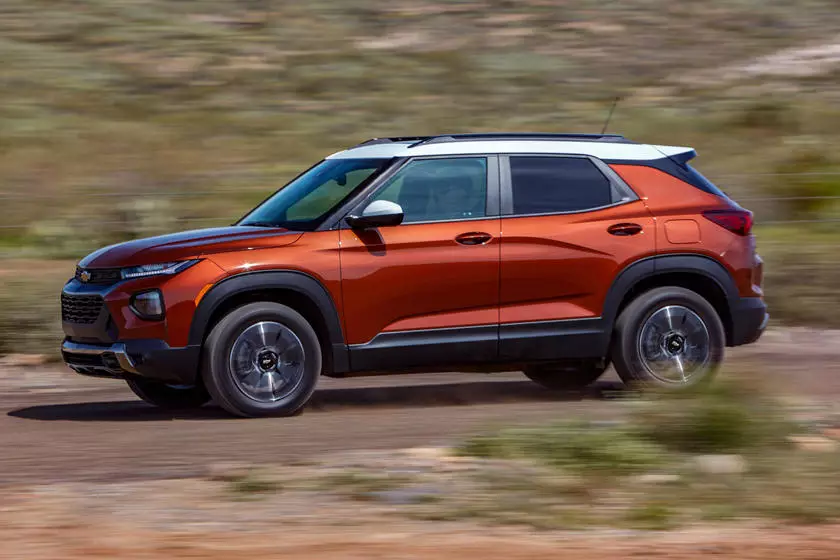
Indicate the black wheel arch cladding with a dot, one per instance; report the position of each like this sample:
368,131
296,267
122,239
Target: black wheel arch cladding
652,267
299,282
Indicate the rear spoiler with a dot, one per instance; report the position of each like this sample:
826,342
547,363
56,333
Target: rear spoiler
678,154
680,157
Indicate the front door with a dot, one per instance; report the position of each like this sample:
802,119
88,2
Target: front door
426,292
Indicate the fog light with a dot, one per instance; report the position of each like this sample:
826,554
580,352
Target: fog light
148,305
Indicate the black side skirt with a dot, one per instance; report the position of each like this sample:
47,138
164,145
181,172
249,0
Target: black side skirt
553,340
515,343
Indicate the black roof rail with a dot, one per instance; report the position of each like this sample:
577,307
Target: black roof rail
374,141
520,136
463,137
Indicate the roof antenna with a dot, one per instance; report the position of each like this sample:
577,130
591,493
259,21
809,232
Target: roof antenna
609,117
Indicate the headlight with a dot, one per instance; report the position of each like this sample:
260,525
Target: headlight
160,269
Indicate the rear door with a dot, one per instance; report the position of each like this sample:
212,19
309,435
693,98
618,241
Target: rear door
569,225
426,291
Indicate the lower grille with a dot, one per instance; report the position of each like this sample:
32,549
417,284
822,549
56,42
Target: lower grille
80,309
86,360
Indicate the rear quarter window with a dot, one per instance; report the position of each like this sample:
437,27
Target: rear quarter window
698,180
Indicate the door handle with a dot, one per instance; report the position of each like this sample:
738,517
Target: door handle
623,230
474,238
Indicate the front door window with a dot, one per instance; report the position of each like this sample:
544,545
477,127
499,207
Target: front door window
439,190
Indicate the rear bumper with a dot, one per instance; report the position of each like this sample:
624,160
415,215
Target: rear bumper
151,359
749,319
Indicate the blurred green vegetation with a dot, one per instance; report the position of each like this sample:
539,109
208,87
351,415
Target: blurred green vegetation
722,453
30,308
727,417
121,119
801,270
731,416
143,117
574,447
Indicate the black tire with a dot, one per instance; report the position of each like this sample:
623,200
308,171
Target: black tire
169,397
627,345
564,377
219,377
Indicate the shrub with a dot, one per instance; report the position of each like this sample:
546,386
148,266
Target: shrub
30,317
801,181
727,417
767,115
580,447
801,271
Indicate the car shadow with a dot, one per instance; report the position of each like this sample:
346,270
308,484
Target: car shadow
326,400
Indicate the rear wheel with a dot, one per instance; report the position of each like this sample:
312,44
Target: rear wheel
670,337
564,377
262,359
170,397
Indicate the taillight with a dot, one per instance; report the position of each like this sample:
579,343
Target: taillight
737,221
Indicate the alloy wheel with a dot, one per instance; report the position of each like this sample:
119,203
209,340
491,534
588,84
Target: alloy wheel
674,345
267,361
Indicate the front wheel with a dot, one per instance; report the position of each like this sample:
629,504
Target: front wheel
262,359
671,338
169,397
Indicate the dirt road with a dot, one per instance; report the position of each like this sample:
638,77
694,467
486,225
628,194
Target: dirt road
56,426
107,434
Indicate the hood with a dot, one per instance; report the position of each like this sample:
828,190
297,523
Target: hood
188,244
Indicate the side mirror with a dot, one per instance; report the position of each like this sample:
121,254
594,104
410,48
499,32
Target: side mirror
378,213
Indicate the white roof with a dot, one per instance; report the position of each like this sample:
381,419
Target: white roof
600,150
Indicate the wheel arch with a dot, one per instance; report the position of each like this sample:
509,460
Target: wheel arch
699,273
300,291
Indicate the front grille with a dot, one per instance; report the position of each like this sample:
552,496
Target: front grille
81,309
99,276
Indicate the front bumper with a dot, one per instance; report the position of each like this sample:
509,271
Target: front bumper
151,359
105,338
749,319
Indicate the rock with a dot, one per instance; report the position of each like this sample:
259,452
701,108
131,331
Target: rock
720,464
436,453
657,478
440,458
455,463
23,360
817,444
228,472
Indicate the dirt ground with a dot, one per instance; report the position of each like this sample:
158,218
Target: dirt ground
195,519
88,471
415,542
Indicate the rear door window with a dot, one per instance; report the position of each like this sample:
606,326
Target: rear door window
550,185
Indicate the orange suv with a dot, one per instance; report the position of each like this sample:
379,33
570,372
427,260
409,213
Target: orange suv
557,254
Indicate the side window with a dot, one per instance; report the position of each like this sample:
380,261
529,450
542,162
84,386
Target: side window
439,189
543,185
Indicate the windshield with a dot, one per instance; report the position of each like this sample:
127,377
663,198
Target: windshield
305,202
